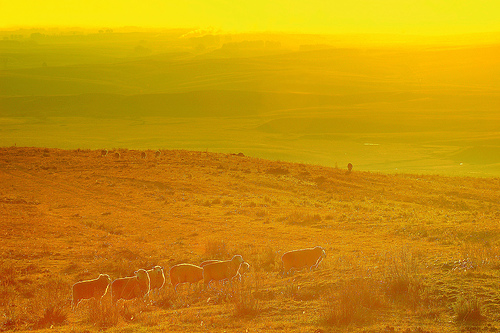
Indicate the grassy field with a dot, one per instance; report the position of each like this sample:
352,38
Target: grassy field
383,104
405,252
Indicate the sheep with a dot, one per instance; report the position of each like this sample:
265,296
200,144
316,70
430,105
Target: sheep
156,278
299,259
143,154
183,273
157,153
222,270
104,152
117,155
130,287
87,289
349,168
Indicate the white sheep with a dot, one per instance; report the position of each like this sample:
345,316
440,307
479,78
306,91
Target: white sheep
156,278
130,287
300,259
222,270
185,273
87,289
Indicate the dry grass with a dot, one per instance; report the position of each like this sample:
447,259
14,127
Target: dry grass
468,309
400,248
354,303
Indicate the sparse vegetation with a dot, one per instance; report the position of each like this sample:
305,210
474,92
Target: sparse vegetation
355,303
394,253
468,309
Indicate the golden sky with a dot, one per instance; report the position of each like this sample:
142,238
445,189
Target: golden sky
311,16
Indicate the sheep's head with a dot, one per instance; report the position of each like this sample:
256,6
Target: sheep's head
237,260
141,275
321,251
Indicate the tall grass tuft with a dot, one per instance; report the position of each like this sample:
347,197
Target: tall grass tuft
102,315
216,249
51,303
401,280
468,309
266,260
353,304
245,304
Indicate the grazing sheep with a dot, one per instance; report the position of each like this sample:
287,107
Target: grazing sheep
222,270
183,273
87,289
156,278
104,152
117,155
157,153
300,259
143,154
130,287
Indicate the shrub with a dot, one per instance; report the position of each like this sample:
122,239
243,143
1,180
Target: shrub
401,280
216,249
468,309
300,218
266,260
102,315
245,304
353,304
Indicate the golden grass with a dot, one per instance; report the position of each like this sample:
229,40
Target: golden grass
402,250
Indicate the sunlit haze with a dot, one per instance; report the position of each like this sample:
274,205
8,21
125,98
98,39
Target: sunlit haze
314,16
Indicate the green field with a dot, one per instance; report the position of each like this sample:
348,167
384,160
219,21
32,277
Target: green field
330,100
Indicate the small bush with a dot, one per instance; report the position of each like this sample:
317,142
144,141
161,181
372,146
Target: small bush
53,315
266,260
216,249
227,202
401,280
468,309
353,304
245,304
102,315
300,218
278,171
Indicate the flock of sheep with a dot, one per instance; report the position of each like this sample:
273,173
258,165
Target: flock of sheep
145,281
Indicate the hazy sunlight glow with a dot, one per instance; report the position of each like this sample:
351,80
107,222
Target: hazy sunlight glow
314,16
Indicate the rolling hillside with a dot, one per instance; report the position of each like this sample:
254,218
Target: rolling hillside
408,251
387,107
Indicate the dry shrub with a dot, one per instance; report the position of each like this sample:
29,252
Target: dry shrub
300,218
353,304
402,281
8,273
102,315
166,298
216,249
468,309
266,260
50,304
278,171
245,304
